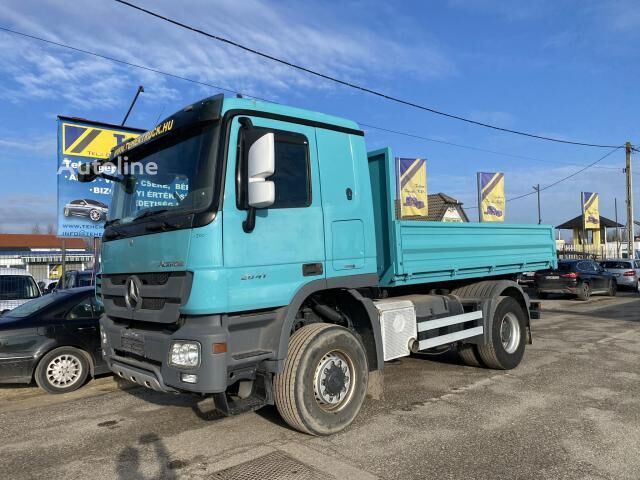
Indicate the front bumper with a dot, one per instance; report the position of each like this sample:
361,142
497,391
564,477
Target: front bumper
147,363
16,369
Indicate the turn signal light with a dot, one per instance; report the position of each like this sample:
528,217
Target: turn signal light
219,348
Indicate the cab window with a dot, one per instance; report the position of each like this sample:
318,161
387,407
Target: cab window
82,310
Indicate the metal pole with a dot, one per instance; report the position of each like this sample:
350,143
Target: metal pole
615,200
135,99
630,220
584,230
64,265
537,189
479,197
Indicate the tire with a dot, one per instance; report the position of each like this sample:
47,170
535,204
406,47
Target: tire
313,350
75,370
95,215
584,291
500,353
468,353
66,212
613,288
542,295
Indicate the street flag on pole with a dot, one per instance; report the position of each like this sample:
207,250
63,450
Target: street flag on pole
491,197
412,187
591,210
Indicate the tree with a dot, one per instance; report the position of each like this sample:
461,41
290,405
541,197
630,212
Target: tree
36,229
51,229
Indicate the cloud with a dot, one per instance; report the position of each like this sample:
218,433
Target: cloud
346,50
506,9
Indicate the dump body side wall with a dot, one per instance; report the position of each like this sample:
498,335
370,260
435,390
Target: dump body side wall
413,252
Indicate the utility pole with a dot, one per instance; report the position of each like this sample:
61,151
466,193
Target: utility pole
630,220
615,200
537,189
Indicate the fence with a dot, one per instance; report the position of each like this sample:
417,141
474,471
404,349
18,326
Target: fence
48,265
595,252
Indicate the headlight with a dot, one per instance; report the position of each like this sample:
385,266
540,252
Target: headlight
184,354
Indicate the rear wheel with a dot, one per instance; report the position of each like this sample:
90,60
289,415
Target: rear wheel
62,370
95,215
324,380
468,353
584,291
506,336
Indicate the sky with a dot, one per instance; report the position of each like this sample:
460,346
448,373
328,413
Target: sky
562,68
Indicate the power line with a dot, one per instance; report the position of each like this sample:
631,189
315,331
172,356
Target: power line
353,85
478,149
217,87
558,181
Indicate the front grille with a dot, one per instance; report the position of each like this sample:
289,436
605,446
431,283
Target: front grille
161,295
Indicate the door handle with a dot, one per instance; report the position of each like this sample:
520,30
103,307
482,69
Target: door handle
311,269
86,329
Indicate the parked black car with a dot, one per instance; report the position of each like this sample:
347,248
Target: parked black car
581,278
54,339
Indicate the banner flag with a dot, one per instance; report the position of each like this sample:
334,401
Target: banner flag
591,210
83,207
412,187
491,197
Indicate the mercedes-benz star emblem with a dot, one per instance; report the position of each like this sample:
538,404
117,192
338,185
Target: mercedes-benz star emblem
132,296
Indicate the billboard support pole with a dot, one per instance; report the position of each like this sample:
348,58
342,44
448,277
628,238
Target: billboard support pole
64,263
479,177
630,219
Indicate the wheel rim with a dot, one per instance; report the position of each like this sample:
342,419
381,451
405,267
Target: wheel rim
585,289
333,381
95,216
64,371
510,332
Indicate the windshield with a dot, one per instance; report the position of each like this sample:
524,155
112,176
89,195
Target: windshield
172,175
35,305
617,265
18,287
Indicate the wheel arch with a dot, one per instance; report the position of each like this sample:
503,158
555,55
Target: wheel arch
360,310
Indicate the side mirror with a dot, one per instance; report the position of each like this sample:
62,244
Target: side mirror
88,172
261,165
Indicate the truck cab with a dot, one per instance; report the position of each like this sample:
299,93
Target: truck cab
251,253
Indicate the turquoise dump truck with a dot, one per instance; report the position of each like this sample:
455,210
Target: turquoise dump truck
261,262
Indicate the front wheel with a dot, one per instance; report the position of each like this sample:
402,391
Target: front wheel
62,370
505,343
324,380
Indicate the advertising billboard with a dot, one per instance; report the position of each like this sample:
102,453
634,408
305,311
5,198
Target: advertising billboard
83,207
412,187
591,210
491,197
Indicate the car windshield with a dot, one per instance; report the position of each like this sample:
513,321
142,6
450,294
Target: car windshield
85,279
35,305
18,287
617,265
173,175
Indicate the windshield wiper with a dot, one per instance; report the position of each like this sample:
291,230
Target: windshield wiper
148,213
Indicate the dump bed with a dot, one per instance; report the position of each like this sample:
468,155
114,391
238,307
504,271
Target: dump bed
414,251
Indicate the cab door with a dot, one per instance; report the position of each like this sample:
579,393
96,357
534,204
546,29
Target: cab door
265,267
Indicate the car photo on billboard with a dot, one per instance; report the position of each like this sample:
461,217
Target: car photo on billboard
86,207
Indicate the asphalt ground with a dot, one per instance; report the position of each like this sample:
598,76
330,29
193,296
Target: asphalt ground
571,410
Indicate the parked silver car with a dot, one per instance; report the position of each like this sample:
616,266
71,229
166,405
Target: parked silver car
86,207
626,271
17,286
